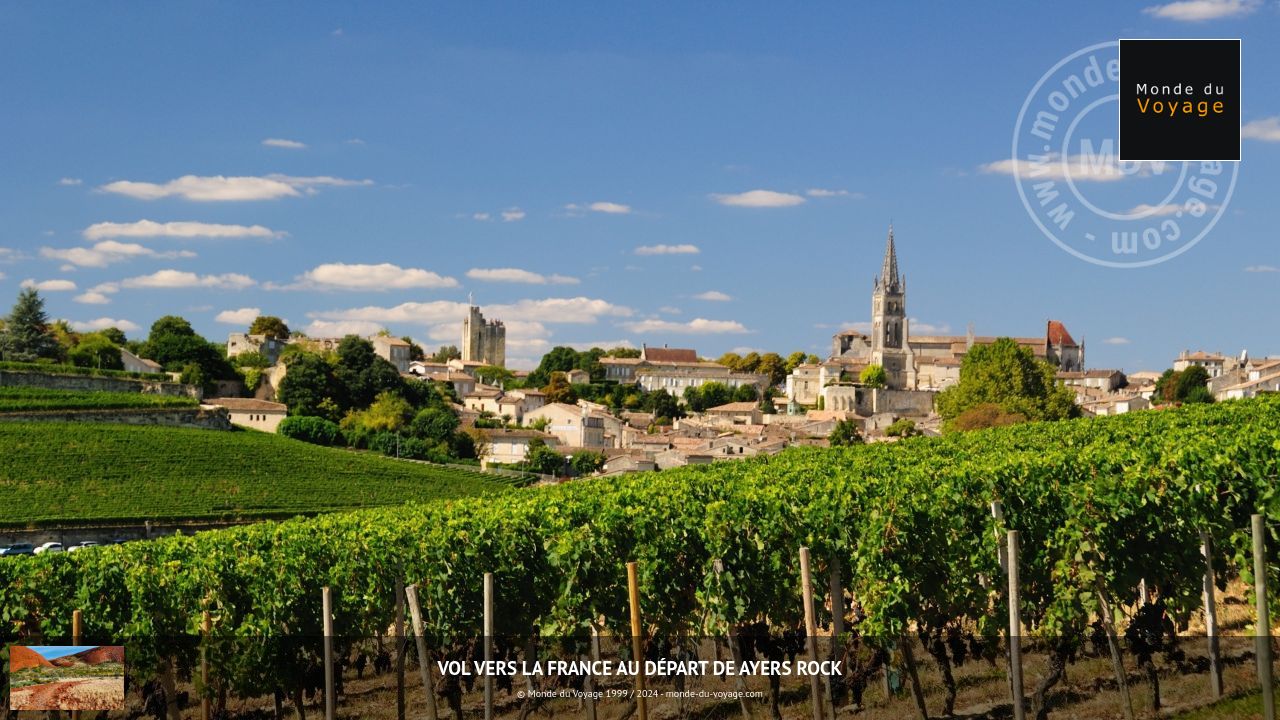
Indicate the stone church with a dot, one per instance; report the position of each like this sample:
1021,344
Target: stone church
913,362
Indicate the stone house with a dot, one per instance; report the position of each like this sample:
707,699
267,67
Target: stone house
393,350
510,447
247,412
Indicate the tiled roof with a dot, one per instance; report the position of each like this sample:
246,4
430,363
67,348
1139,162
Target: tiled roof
663,354
734,407
1058,334
247,404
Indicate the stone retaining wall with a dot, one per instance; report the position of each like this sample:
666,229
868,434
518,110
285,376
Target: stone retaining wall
204,417
90,383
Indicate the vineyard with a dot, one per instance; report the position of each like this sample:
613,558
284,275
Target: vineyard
1102,506
63,473
76,370
26,399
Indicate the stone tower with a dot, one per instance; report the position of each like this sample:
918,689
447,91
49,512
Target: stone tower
889,347
483,340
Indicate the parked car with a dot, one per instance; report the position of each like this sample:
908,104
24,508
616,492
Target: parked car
18,549
51,547
82,545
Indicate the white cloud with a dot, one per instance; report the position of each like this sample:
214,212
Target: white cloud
180,279
49,285
575,310
341,328
309,182
1080,168
1262,269
697,326
1116,341
670,310
150,228
825,193
516,275
243,316
1267,129
1197,10
103,323
219,188
603,344
481,216
354,141
70,181
283,143
9,255
713,296
758,199
384,276
107,252
610,207
1162,210
92,297
667,250
2,276
512,214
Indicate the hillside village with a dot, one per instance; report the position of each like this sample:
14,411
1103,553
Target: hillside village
606,411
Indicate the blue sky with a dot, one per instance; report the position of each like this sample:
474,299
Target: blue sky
50,652
582,171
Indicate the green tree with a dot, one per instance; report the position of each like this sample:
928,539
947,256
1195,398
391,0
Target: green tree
709,395
388,413
95,350
251,359
558,359
493,375
445,354
364,374
542,459
558,390
845,433
27,335
416,353
774,366
745,393
175,345
311,388
873,376
269,325
1010,377
902,427
586,462
434,423
115,335
663,405
1192,386
795,360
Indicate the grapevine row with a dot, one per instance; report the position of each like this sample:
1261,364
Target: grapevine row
1101,505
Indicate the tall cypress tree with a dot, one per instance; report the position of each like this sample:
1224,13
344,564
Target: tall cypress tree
26,336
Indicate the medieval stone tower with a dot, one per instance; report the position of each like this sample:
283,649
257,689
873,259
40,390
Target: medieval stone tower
889,347
483,340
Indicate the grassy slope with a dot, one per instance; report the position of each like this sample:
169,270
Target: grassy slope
23,399
68,472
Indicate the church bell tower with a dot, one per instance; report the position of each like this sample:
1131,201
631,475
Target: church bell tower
889,348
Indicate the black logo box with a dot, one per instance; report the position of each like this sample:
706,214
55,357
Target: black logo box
1187,68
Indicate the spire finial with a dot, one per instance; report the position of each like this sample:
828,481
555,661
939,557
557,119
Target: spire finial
890,280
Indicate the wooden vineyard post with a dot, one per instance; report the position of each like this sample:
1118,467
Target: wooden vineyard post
811,631
909,659
488,645
1015,627
1211,616
835,594
1264,618
424,659
590,681
637,640
206,627
739,684
1114,644
400,648
77,636
330,700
